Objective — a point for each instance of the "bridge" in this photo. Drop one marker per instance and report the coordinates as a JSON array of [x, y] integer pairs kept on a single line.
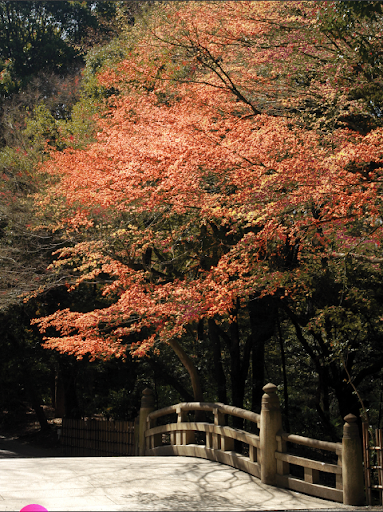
[[149, 483], [194, 464], [267, 456]]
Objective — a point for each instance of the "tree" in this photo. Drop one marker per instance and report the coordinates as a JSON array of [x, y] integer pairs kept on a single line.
[[205, 200], [40, 62], [40, 36]]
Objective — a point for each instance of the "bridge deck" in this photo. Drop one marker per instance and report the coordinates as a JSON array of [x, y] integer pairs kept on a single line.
[[141, 483]]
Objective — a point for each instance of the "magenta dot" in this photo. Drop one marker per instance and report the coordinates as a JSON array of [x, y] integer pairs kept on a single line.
[[34, 508]]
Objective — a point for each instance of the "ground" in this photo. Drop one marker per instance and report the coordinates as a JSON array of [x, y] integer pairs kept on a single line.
[[26, 429]]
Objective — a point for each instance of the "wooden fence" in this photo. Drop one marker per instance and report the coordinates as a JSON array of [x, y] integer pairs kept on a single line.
[[373, 462], [89, 438], [269, 454]]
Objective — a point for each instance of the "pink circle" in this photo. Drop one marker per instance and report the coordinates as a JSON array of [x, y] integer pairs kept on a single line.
[[33, 508]]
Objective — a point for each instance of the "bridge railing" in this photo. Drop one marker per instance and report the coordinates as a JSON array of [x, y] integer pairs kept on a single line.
[[219, 438], [268, 457], [312, 468]]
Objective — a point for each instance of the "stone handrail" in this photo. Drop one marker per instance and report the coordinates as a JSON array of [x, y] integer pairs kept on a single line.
[[268, 457], [311, 443], [208, 406]]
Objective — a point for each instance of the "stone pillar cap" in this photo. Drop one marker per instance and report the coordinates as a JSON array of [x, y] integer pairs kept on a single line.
[[147, 399], [270, 400], [350, 418], [270, 388]]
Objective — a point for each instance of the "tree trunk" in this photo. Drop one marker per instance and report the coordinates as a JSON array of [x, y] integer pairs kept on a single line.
[[34, 398], [191, 369], [219, 372], [284, 373], [72, 409], [163, 373], [30, 388], [258, 376], [59, 394], [263, 317]]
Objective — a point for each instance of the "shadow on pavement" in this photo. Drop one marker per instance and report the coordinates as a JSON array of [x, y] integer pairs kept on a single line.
[[11, 447]]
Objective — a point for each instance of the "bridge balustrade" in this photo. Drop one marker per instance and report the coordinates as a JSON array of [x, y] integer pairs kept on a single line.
[[267, 456], [219, 438]]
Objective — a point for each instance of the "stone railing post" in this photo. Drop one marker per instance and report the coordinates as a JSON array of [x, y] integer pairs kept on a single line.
[[352, 468], [271, 425], [147, 406]]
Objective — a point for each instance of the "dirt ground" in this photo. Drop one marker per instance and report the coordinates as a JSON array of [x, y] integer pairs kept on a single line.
[[26, 431]]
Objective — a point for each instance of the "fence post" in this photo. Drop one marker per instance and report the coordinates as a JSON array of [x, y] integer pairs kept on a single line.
[[352, 467], [147, 406], [271, 424], [136, 435]]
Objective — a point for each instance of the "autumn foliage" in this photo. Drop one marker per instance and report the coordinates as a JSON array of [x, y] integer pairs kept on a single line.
[[206, 188]]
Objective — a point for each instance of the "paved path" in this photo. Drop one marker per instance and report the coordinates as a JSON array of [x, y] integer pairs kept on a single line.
[[140, 483], [30, 474]]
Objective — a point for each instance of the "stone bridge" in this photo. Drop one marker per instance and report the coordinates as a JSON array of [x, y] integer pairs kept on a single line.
[[267, 454], [149, 483], [191, 465]]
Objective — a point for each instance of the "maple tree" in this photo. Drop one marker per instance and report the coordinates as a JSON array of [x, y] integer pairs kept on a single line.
[[206, 201]]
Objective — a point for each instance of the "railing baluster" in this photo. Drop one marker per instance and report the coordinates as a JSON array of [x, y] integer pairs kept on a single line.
[[253, 456], [338, 477], [227, 444], [311, 476], [179, 436], [218, 420], [283, 468]]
